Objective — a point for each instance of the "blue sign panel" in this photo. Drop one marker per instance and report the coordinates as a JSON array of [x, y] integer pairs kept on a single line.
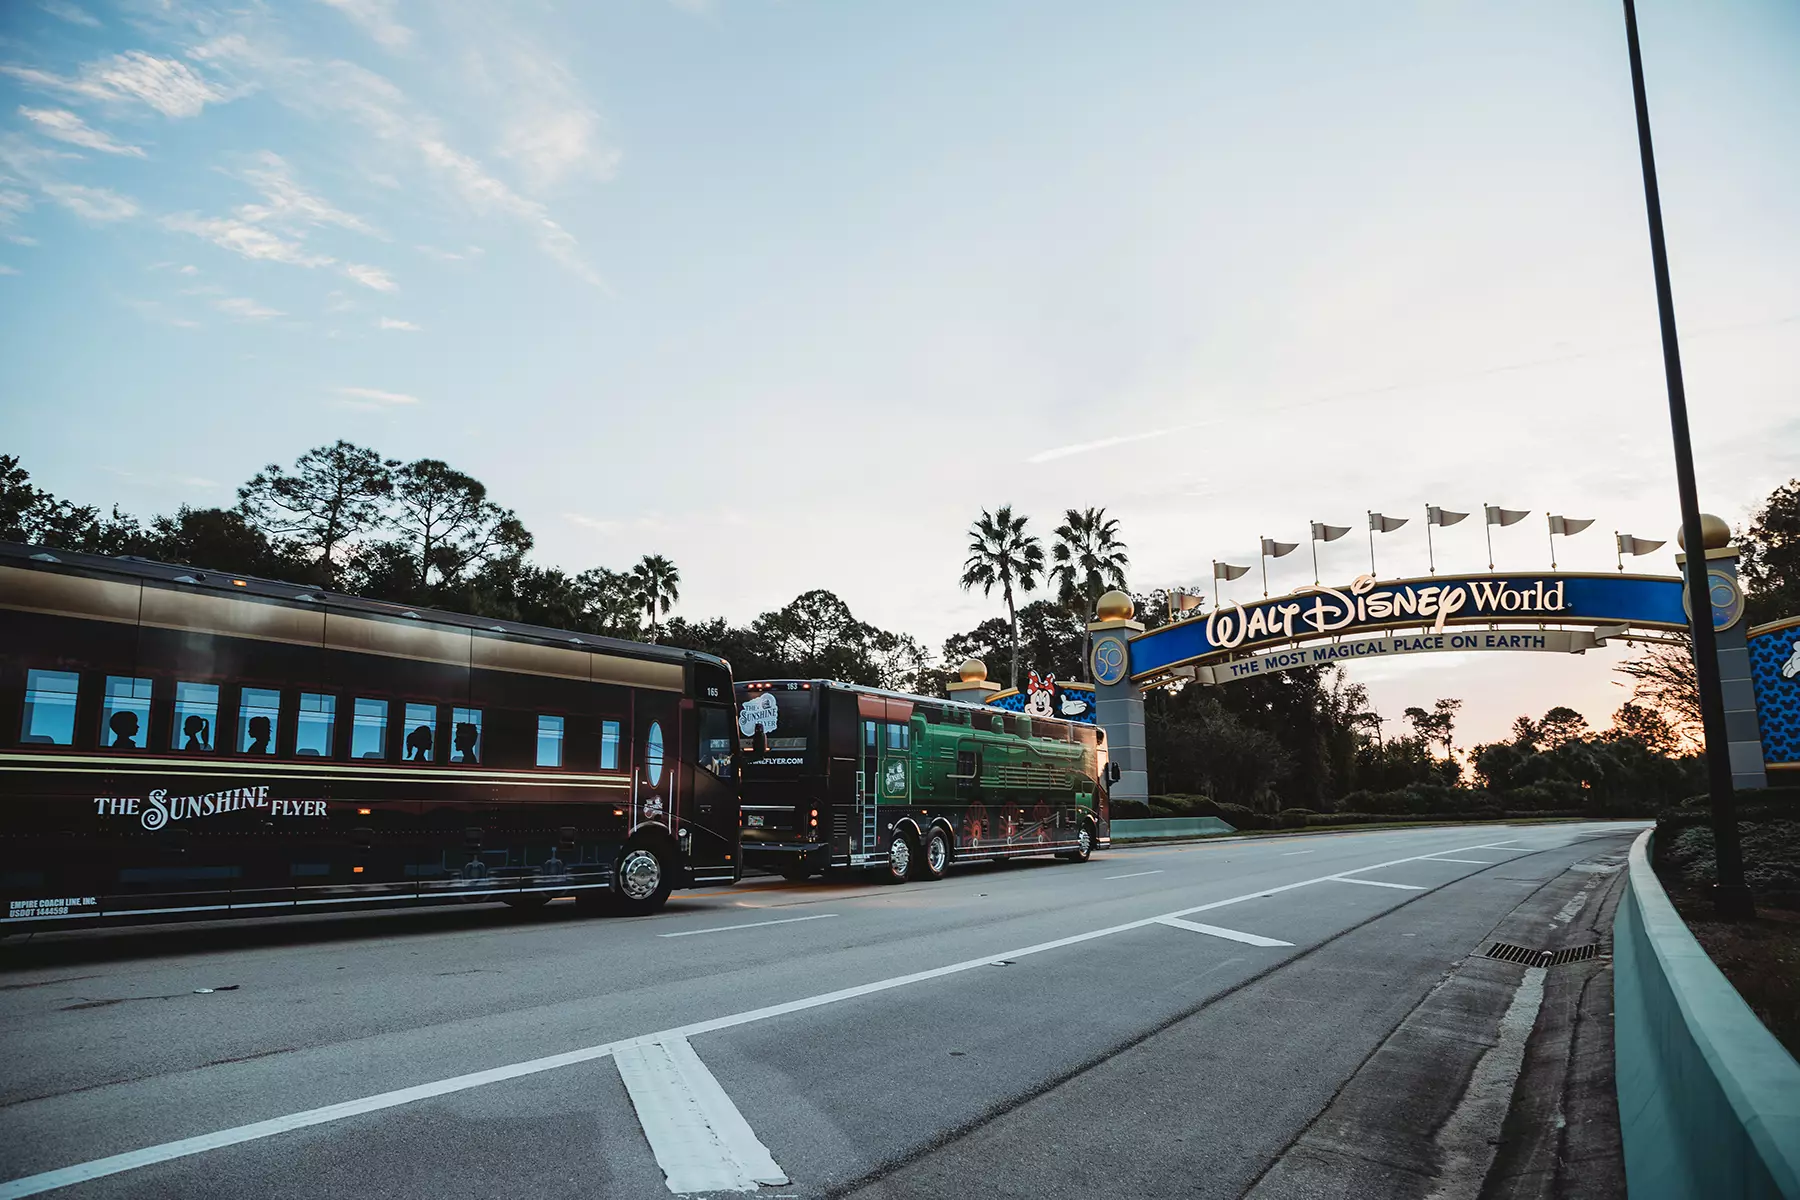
[[1775, 674], [1048, 698], [1367, 606]]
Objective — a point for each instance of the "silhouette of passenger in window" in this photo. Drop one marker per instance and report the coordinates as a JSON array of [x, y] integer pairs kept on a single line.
[[466, 737], [418, 744], [125, 727], [259, 736], [196, 729]]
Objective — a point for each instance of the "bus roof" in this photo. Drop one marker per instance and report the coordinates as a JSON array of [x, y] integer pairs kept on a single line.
[[176, 576], [864, 689]]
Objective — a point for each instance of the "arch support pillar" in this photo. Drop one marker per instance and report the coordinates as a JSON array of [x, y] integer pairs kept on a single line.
[[1118, 702]]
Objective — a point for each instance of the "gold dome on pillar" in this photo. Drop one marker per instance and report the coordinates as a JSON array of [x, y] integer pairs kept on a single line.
[[1115, 606], [1713, 531], [973, 670]]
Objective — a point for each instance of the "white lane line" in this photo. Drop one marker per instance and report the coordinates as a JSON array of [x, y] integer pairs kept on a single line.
[[1473, 862], [746, 925], [1234, 935], [1135, 875], [32, 1185], [1291, 853], [700, 1139], [1403, 887]]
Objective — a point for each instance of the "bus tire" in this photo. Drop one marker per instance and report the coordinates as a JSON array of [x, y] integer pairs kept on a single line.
[[934, 860], [642, 878], [1084, 845], [902, 857]]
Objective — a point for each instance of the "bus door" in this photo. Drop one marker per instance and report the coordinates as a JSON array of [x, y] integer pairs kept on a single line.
[[710, 812]]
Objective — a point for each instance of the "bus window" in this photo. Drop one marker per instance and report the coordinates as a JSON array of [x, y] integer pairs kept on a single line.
[[421, 732], [258, 711], [318, 720], [899, 737], [49, 708], [368, 732], [550, 741], [126, 715], [609, 745], [196, 708], [465, 736], [715, 741]]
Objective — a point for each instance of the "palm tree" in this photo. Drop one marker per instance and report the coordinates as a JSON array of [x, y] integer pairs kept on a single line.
[[1090, 558], [656, 582], [1001, 552]]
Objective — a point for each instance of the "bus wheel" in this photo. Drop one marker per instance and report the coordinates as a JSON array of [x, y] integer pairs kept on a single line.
[[903, 852], [1084, 845], [936, 856], [641, 879]]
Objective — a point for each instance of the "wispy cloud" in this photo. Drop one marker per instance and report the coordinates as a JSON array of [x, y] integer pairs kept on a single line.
[[377, 20], [396, 323], [371, 277], [65, 11], [1074, 448], [93, 203], [597, 524], [245, 309], [275, 230], [169, 86], [442, 255], [362, 397], [6, 270], [245, 238], [65, 126], [288, 205], [12, 204], [381, 108]]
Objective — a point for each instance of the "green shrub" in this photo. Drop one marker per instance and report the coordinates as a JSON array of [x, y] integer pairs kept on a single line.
[[1771, 850]]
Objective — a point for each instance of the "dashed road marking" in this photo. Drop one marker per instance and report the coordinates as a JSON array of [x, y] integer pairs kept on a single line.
[[1402, 887], [1135, 875], [1233, 935], [744, 925]]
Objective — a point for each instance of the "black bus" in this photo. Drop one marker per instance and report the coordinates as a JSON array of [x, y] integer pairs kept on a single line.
[[859, 777], [178, 743]]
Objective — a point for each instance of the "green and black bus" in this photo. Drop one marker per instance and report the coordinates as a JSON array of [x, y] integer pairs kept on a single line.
[[176, 743], [860, 777]]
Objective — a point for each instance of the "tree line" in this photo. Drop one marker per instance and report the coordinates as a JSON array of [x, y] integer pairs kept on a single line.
[[424, 533]]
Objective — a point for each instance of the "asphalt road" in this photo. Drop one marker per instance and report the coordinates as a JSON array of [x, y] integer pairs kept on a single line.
[[1192, 1020]]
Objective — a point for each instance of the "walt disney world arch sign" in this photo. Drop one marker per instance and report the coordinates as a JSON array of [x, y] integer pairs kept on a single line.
[[1557, 612]]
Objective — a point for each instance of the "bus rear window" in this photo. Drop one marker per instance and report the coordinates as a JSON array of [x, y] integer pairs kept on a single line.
[[785, 718], [49, 708]]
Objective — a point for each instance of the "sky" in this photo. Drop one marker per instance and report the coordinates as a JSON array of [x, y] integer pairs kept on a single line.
[[790, 291]]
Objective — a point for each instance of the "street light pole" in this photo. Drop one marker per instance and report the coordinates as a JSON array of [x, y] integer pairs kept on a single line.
[[1731, 897]]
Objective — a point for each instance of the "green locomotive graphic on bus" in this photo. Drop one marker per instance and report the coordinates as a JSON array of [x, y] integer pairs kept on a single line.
[[850, 776]]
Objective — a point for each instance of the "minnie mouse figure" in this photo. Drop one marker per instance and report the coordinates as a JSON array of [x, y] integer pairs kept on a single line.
[[1043, 696]]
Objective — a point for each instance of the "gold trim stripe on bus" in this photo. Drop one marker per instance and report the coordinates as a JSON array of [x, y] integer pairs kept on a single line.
[[92, 764], [274, 621]]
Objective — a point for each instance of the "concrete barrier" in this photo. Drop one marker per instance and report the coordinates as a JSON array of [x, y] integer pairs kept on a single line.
[[1709, 1101], [1168, 827]]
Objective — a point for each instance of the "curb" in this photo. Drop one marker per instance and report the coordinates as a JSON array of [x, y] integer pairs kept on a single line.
[[1709, 1100]]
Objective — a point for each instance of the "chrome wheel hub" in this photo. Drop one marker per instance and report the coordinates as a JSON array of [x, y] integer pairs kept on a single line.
[[899, 858], [937, 853], [1086, 840], [640, 874]]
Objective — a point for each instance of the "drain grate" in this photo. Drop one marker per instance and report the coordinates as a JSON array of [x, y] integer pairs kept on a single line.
[[1507, 952]]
